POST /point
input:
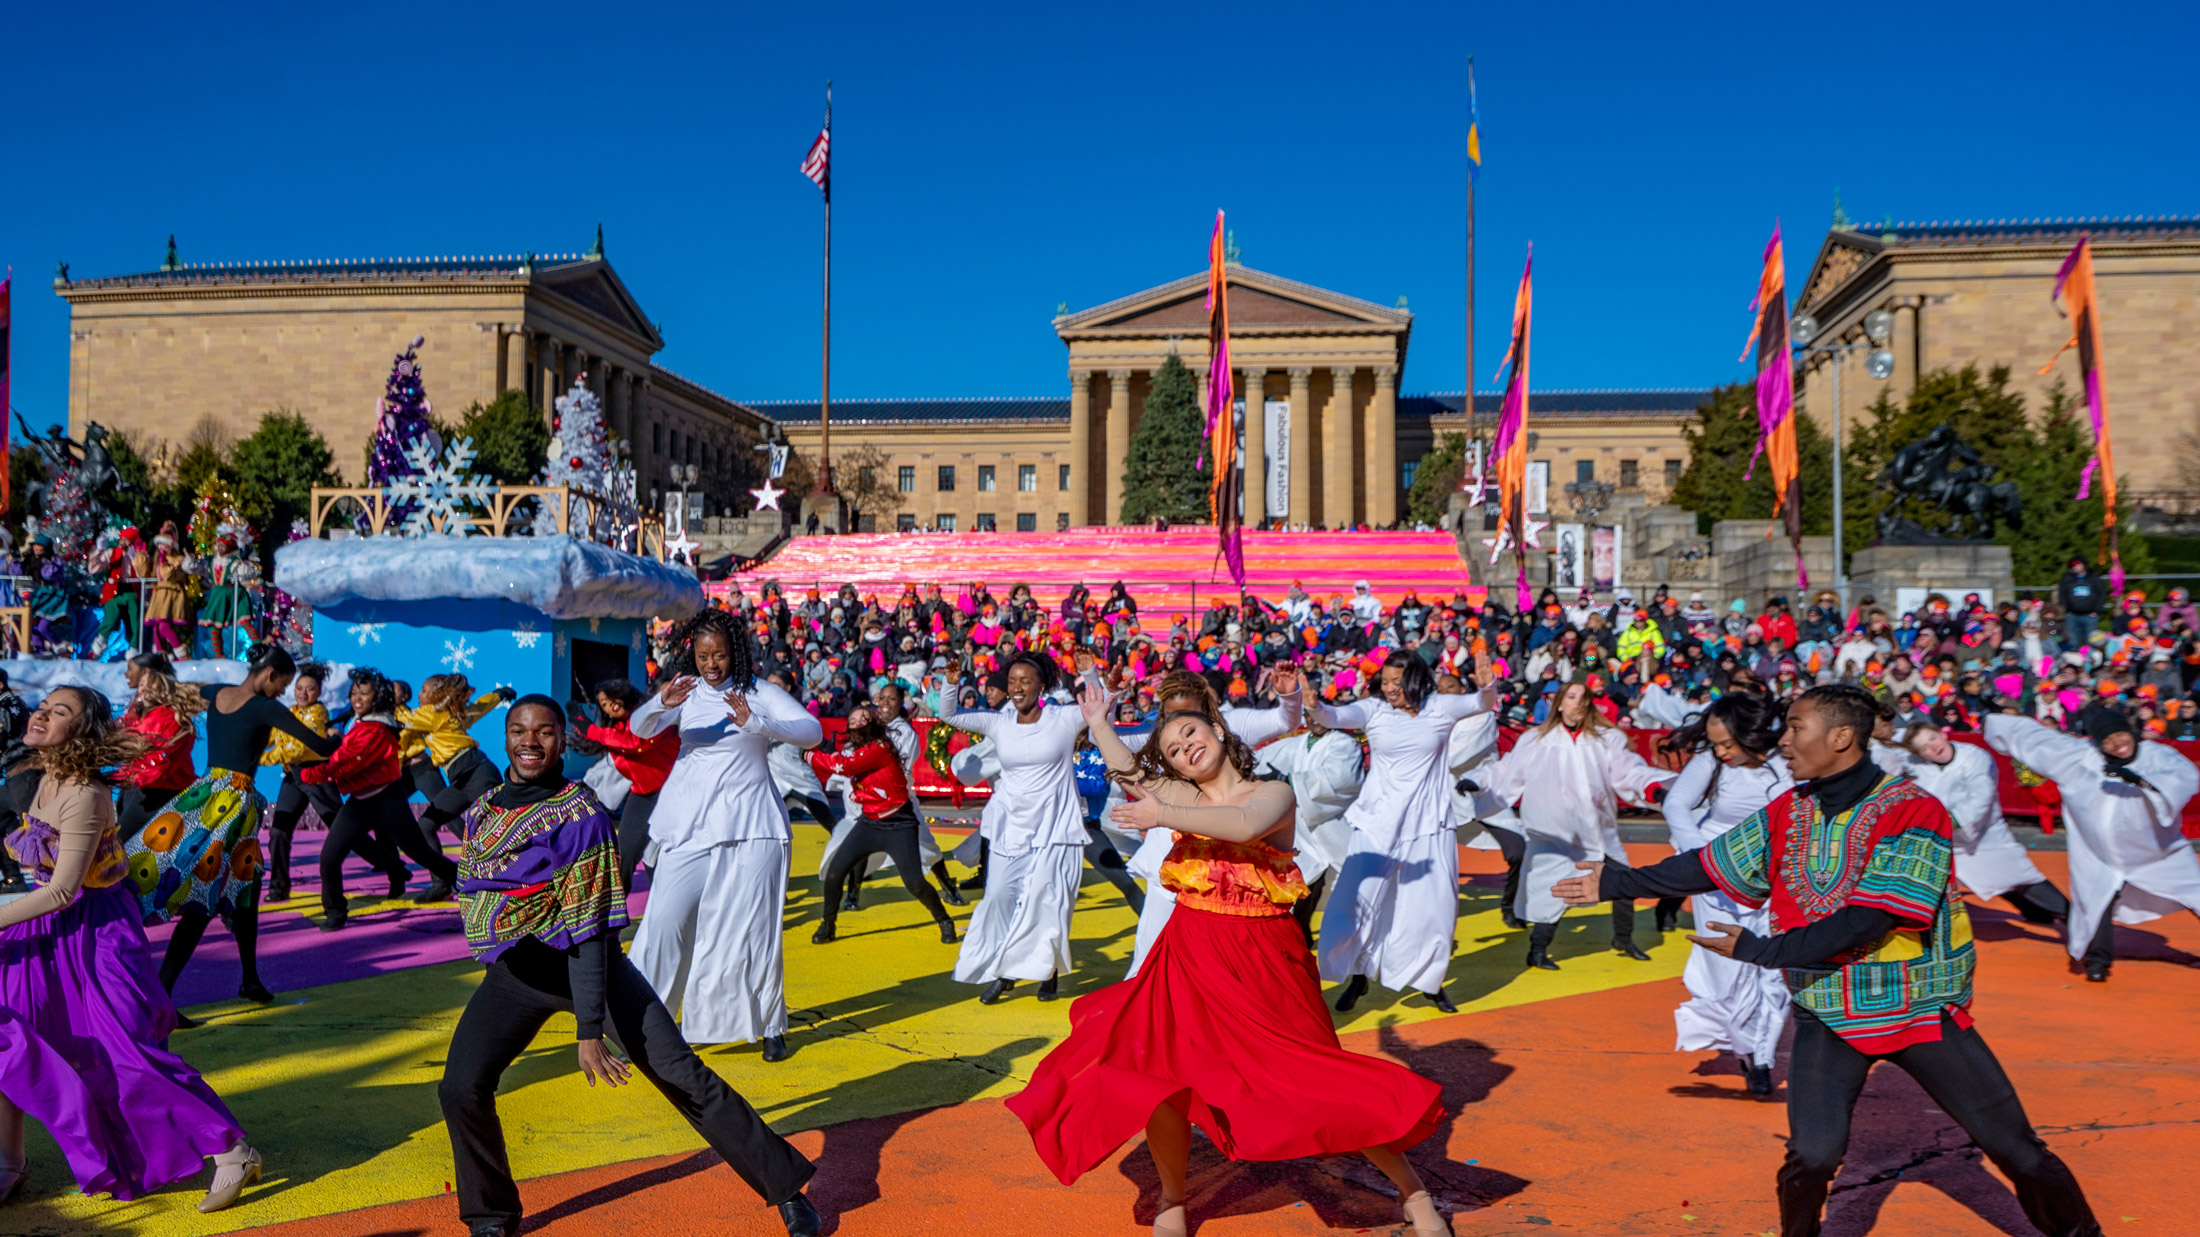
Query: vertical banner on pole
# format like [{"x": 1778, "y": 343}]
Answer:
[
  {"x": 7, "y": 399},
  {"x": 2074, "y": 288},
  {"x": 1277, "y": 414}
]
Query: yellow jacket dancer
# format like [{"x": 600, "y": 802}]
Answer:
[
  {"x": 295, "y": 797},
  {"x": 439, "y": 727}
]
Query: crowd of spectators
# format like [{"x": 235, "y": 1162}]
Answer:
[{"x": 1648, "y": 661}]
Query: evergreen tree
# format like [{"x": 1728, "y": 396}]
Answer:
[
  {"x": 581, "y": 456},
  {"x": 1719, "y": 448},
  {"x": 511, "y": 443},
  {"x": 277, "y": 467},
  {"x": 1162, "y": 477},
  {"x": 403, "y": 415},
  {"x": 1436, "y": 479}
]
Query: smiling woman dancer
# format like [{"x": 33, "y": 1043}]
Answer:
[
  {"x": 1224, "y": 1024},
  {"x": 710, "y": 936},
  {"x": 1035, "y": 823},
  {"x": 82, "y": 1017}
]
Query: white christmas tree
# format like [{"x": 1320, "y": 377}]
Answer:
[{"x": 580, "y": 457}]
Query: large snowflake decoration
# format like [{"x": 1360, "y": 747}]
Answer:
[
  {"x": 459, "y": 655},
  {"x": 526, "y": 634},
  {"x": 367, "y": 633},
  {"x": 440, "y": 493}
]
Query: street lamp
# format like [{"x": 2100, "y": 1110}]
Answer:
[{"x": 1878, "y": 327}]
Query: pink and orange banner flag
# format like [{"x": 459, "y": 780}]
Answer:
[
  {"x": 1227, "y": 486},
  {"x": 1509, "y": 452},
  {"x": 1776, "y": 400},
  {"x": 2081, "y": 304}
]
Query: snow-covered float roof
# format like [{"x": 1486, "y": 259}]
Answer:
[{"x": 564, "y": 577}]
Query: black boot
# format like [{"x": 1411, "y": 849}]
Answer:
[
  {"x": 398, "y": 880},
  {"x": 1440, "y": 1001},
  {"x": 800, "y": 1217},
  {"x": 1669, "y": 914},
  {"x": 1540, "y": 937},
  {"x": 947, "y": 932},
  {"x": 995, "y": 991},
  {"x": 1047, "y": 989},
  {"x": 1540, "y": 958},
  {"x": 1760, "y": 1079},
  {"x": 2096, "y": 972},
  {"x": 775, "y": 1049},
  {"x": 1354, "y": 989},
  {"x": 824, "y": 934},
  {"x": 438, "y": 890},
  {"x": 950, "y": 892}
]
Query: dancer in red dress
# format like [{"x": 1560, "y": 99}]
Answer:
[{"x": 1224, "y": 1025}]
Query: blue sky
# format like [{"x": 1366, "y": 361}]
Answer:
[{"x": 994, "y": 161}]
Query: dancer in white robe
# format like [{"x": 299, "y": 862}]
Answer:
[
  {"x": 1990, "y": 861},
  {"x": 709, "y": 942},
  {"x": 1034, "y": 827},
  {"x": 1567, "y": 776},
  {"x": 1485, "y": 821},
  {"x": 1736, "y": 769},
  {"x": 2123, "y": 803},
  {"x": 1395, "y": 907},
  {"x": 1182, "y": 690}
]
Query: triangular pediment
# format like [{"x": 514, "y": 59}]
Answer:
[
  {"x": 592, "y": 286},
  {"x": 1843, "y": 254},
  {"x": 1257, "y": 299}
]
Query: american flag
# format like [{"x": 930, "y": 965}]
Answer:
[{"x": 818, "y": 164}]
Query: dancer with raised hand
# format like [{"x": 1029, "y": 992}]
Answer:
[
  {"x": 83, "y": 1020},
  {"x": 1034, "y": 824},
  {"x": 887, "y": 822},
  {"x": 2123, "y": 804},
  {"x": 543, "y": 905},
  {"x": 1568, "y": 775},
  {"x": 1735, "y": 769},
  {"x": 1990, "y": 861},
  {"x": 710, "y": 937},
  {"x": 1855, "y": 866},
  {"x": 448, "y": 709},
  {"x": 375, "y": 816},
  {"x": 1223, "y": 1027},
  {"x": 1396, "y": 904},
  {"x": 201, "y": 858}
]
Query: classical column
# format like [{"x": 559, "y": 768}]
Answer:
[
  {"x": 1119, "y": 441},
  {"x": 615, "y": 402},
  {"x": 1382, "y": 448},
  {"x": 1256, "y": 447},
  {"x": 1906, "y": 346},
  {"x": 513, "y": 362},
  {"x": 550, "y": 360},
  {"x": 1302, "y": 447},
  {"x": 1080, "y": 448},
  {"x": 1337, "y": 453}
]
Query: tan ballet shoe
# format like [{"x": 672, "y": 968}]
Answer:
[
  {"x": 234, "y": 1169},
  {"x": 1170, "y": 1220},
  {"x": 1427, "y": 1220}
]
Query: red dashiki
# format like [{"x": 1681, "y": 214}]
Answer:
[{"x": 1893, "y": 851}]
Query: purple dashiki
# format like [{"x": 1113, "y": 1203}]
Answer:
[
  {"x": 82, "y": 1021},
  {"x": 546, "y": 869}
]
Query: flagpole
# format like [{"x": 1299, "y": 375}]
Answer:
[
  {"x": 825, "y": 351},
  {"x": 1473, "y": 163}
]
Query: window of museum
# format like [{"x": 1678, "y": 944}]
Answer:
[
  {"x": 947, "y": 478},
  {"x": 905, "y": 478},
  {"x": 945, "y": 522},
  {"x": 1063, "y": 483},
  {"x": 905, "y": 523},
  {"x": 986, "y": 523},
  {"x": 1061, "y": 518},
  {"x": 657, "y": 437},
  {"x": 1027, "y": 521},
  {"x": 1412, "y": 468},
  {"x": 1027, "y": 478},
  {"x": 1672, "y": 473},
  {"x": 1585, "y": 470},
  {"x": 985, "y": 479},
  {"x": 1630, "y": 474}
]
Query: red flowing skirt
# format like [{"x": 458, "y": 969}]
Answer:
[{"x": 1225, "y": 1020}]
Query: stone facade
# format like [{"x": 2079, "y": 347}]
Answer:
[
  {"x": 1978, "y": 293},
  {"x": 155, "y": 354}
]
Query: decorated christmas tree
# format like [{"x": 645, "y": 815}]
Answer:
[
  {"x": 581, "y": 456},
  {"x": 403, "y": 417},
  {"x": 68, "y": 517}
]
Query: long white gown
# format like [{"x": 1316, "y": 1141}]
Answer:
[
  {"x": 2122, "y": 837},
  {"x": 1253, "y": 727},
  {"x": 1732, "y": 1005},
  {"x": 709, "y": 942},
  {"x": 1395, "y": 905},
  {"x": 1989, "y": 859},
  {"x": 1568, "y": 786},
  {"x": 1034, "y": 823}
]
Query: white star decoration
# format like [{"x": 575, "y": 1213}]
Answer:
[
  {"x": 1529, "y": 527},
  {"x": 366, "y": 633},
  {"x": 1498, "y": 544},
  {"x": 525, "y": 636},
  {"x": 683, "y": 549},
  {"x": 459, "y": 655},
  {"x": 767, "y": 497}
]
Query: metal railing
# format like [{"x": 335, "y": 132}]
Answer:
[{"x": 573, "y": 512}]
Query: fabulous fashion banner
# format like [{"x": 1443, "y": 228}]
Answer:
[{"x": 1277, "y": 434}]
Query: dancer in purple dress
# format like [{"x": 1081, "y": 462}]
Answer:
[{"x": 82, "y": 1012}]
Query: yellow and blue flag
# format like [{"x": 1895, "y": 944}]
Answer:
[{"x": 1474, "y": 127}]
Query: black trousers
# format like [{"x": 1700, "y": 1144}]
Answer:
[
  {"x": 388, "y": 817},
  {"x": 1302, "y": 911},
  {"x": 2039, "y": 902},
  {"x": 191, "y": 924},
  {"x": 1959, "y": 1072},
  {"x": 1108, "y": 862},
  {"x": 894, "y": 836},
  {"x": 2102, "y": 948},
  {"x": 634, "y": 833},
  {"x": 1514, "y": 848},
  {"x": 136, "y": 807},
  {"x": 291, "y": 803},
  {"x": 519, "y": 993},
  {"x": 469, "y": 776}
]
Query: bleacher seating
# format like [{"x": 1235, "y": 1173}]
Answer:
[{"x": 1176, "y": 571}]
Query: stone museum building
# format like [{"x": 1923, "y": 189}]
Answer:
[{"x": 153, "y": 354}]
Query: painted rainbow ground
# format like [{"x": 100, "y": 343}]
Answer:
[{"x": 1571, "y": 1114}]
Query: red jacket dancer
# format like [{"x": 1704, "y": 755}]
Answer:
[
  {"x": 375, "y": 814},
  {"x": 644, "y": 763},
  {"x": 888, "y": 824}
]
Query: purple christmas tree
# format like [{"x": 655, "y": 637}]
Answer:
[{"x": 404, "y": 417}]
